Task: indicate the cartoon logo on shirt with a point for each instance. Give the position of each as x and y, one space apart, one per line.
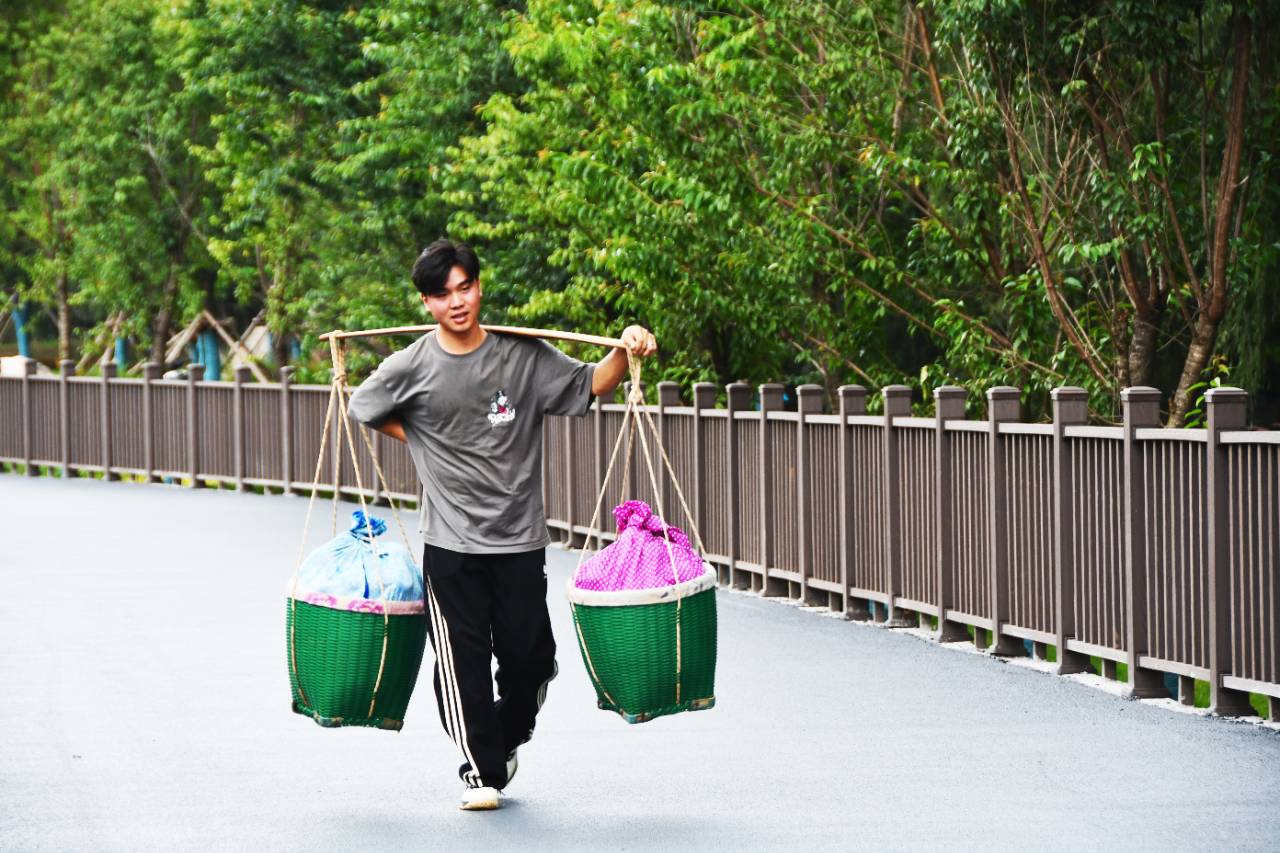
501 411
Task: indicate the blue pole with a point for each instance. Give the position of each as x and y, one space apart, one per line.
122 354
20 326
212 361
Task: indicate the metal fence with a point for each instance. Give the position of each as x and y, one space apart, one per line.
1151 548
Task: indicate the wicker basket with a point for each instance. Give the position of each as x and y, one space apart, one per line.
629 643
334 654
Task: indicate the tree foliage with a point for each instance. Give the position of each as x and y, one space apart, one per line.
1026 192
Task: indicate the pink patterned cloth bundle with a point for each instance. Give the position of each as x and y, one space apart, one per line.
639 558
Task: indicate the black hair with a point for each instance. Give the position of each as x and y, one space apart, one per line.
431 269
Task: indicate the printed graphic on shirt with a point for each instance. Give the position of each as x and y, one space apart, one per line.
501 411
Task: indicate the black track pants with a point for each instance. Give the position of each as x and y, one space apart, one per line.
483 606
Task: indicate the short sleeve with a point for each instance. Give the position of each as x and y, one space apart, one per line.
385 391
564 383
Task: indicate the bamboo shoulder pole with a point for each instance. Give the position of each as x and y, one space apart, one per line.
506 330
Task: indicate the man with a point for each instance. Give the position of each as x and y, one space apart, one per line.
470 405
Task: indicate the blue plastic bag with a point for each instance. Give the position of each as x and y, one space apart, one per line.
351 565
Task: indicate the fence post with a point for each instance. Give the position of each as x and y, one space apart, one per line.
808 402
853 401
948 405
195 374
1227 410
336 449
1070 407
565 428
108 373
375 448
28 370
286 429
150 373
546 474
598 462
704 397
66 369
241 375
897 403
738 398
1141 409
770 401
1003 404
668 397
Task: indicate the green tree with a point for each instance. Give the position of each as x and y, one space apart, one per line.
428 66
39 163
278 78
1030 192
1134 163
111 200
142 257
858 190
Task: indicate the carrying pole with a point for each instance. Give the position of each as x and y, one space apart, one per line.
523 331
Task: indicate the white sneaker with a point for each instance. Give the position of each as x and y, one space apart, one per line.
481 799
512 765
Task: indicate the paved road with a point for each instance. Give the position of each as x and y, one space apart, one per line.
144 706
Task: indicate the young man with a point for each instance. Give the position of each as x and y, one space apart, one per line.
470 406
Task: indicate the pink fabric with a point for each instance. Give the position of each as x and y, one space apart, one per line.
359 605
638 558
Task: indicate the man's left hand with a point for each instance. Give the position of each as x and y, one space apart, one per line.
639 341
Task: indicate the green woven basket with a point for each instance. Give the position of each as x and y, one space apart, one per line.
628 641
333 656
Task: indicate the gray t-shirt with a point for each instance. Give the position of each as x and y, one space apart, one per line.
474 425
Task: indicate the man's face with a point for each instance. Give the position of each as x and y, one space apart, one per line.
458 308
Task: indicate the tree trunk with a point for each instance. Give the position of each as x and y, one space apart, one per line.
1142 349
280 349
1213 303
1120 364
1204 335
716 342
160 327
64 318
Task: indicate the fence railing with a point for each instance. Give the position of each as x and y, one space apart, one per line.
1151 548
240 433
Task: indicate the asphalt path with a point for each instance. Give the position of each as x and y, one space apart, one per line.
144 705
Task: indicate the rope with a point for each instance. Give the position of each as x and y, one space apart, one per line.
302 546
338 396
666 535
339 381
623 432
591 667
613 457
315 481
386 487
631 425
340 376
675 481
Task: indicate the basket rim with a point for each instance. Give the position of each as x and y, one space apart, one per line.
632 597
355 605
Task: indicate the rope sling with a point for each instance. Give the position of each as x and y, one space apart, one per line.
338 394
636 422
